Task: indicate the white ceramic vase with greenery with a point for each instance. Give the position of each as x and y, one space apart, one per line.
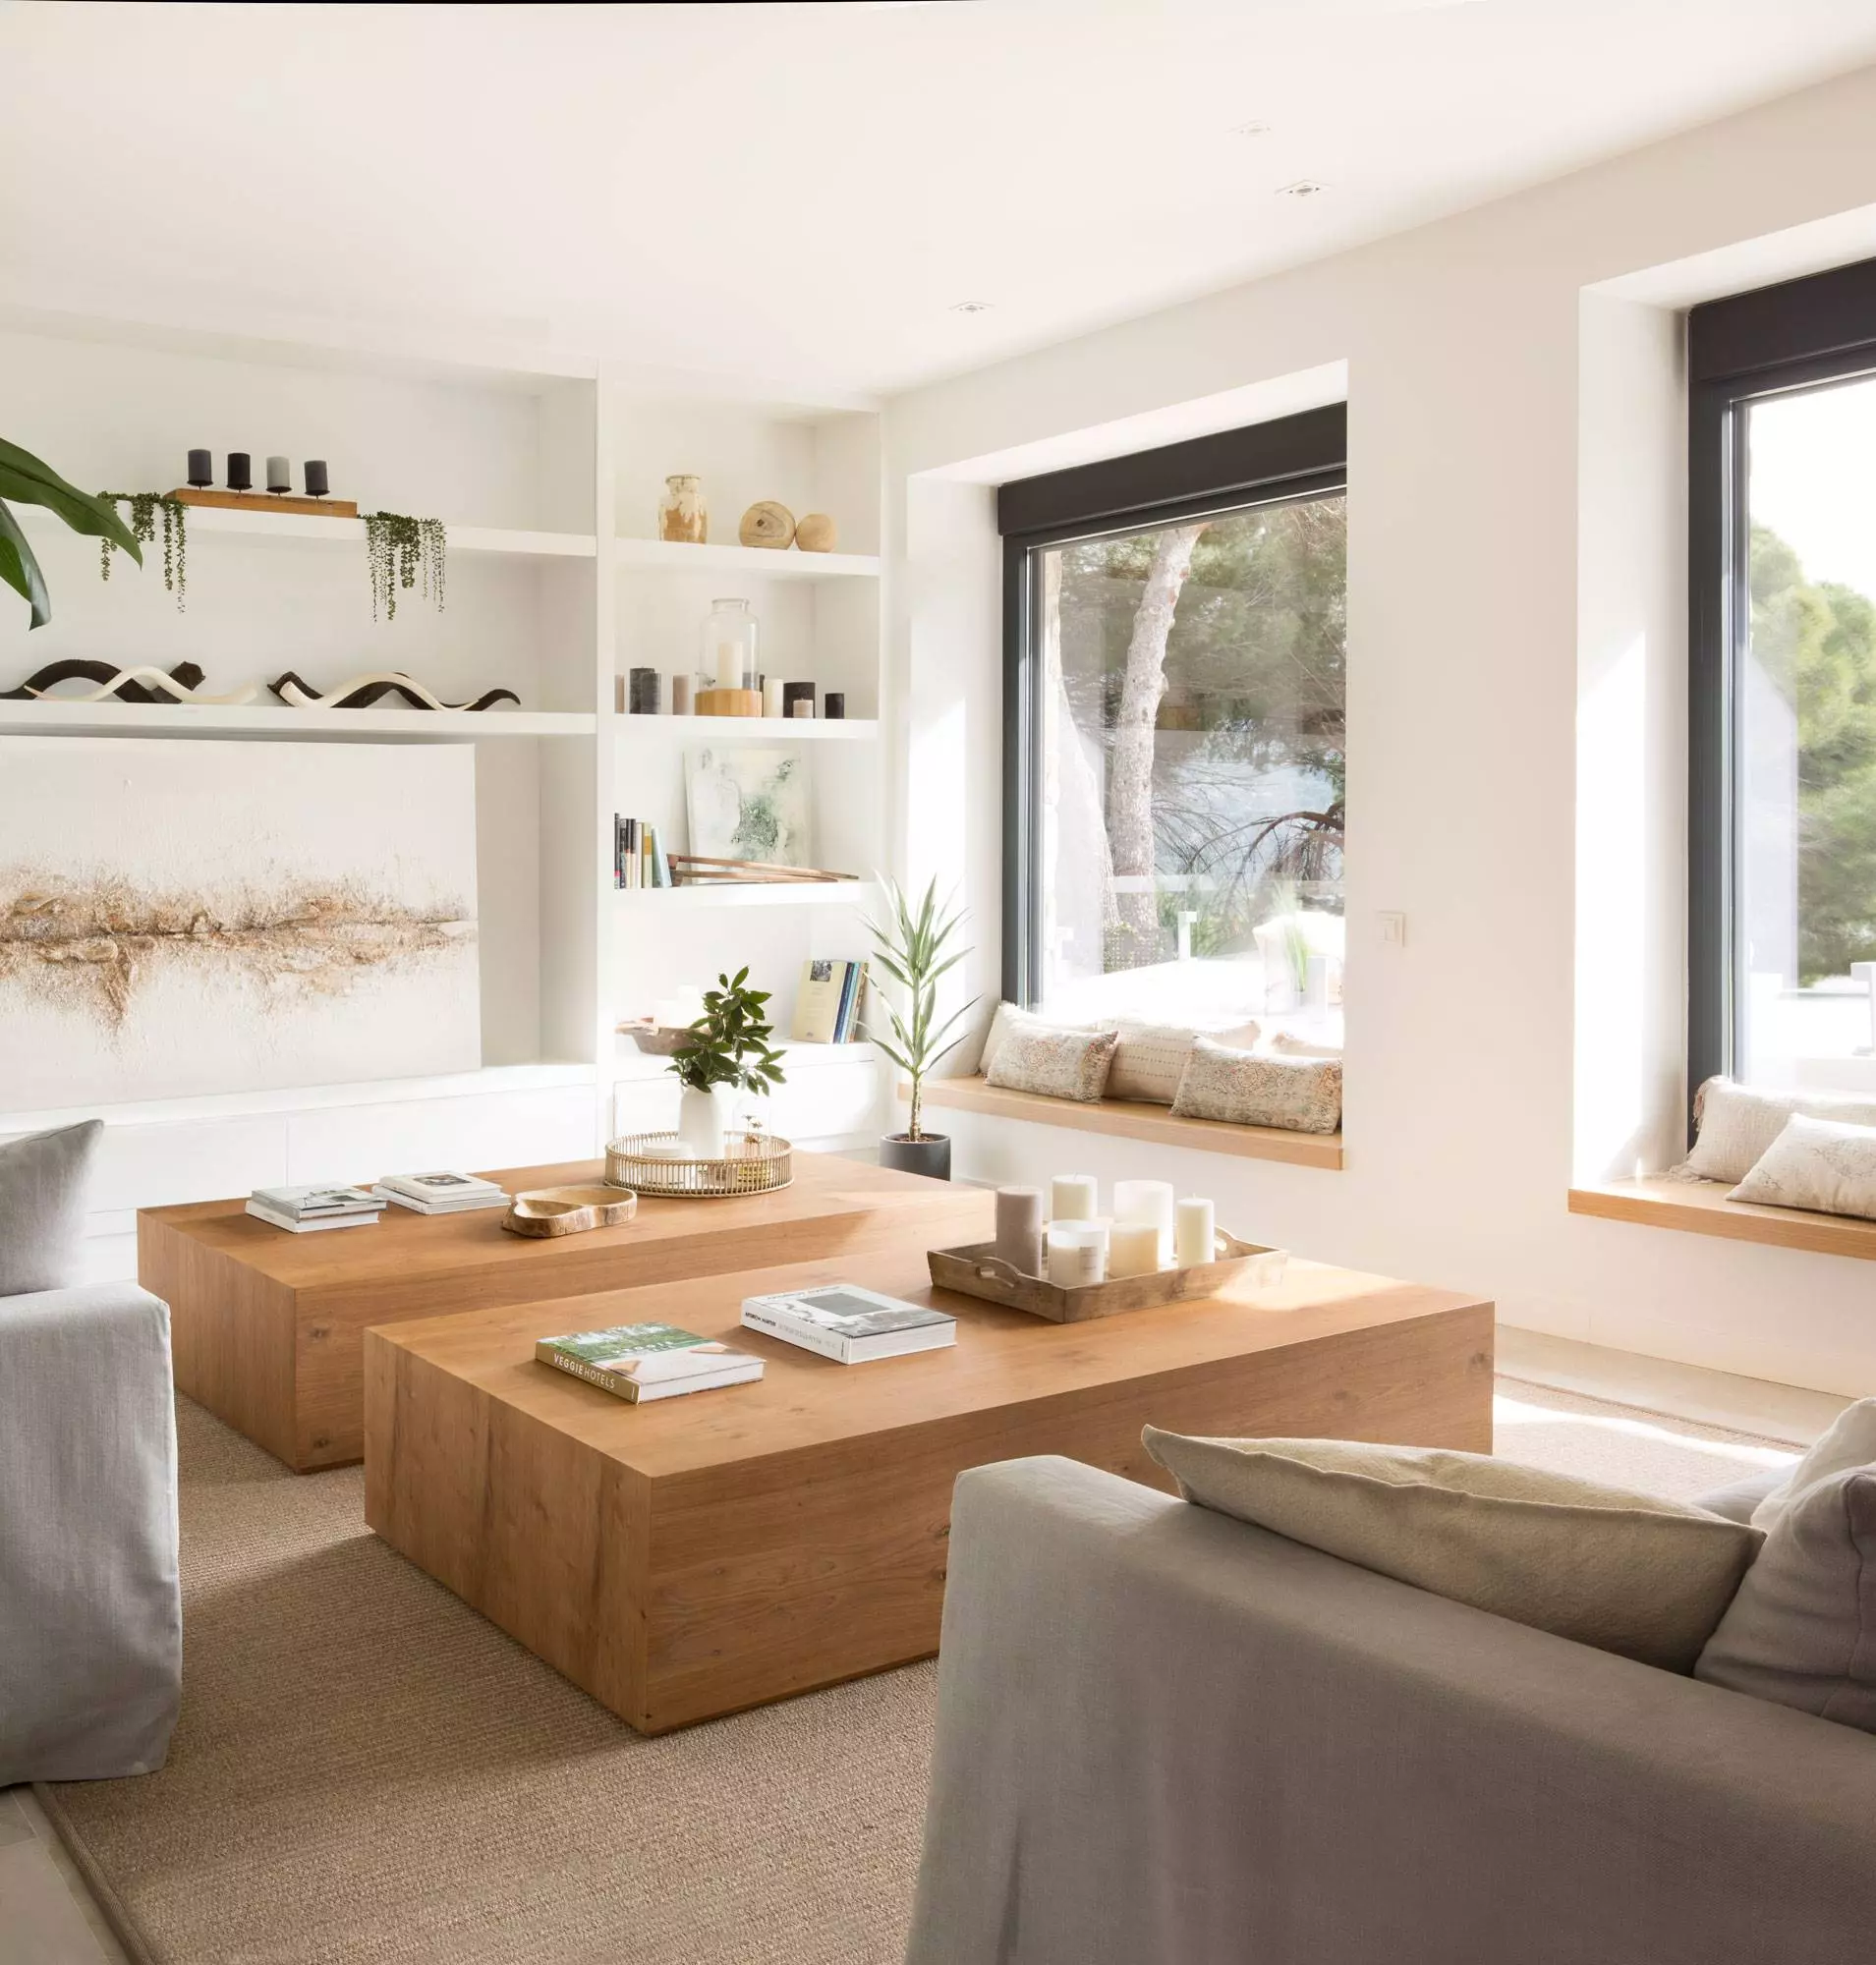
727 1050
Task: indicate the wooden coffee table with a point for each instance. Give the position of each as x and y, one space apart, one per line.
686 1559
267 1327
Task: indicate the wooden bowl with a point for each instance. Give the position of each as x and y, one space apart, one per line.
569 1210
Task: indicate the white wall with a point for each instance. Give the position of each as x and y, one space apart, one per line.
1480 412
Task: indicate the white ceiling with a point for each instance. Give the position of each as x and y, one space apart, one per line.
802 192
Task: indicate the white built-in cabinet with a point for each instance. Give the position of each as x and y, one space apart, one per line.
557 582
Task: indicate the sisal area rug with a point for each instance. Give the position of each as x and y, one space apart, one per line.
366 1770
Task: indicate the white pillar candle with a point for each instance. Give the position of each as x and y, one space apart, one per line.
772 698
1194 1232
1077 1254
729 665
1149 1200
1071 1197
1133 1248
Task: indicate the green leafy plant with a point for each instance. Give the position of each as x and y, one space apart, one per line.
400 551
731 1032
144 505
913 945
28 480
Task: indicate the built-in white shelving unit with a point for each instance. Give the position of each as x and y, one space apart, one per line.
548 486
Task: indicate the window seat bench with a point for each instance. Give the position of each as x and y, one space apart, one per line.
1128 1119
1701 1208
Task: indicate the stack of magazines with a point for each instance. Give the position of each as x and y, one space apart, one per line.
302 1209
637 1361
447 1192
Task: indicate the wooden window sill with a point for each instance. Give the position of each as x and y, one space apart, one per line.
1701 1208
1129 1120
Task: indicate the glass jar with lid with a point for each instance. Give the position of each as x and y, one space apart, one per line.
729 645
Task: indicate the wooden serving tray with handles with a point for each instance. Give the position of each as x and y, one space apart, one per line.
1238 1269
569 1210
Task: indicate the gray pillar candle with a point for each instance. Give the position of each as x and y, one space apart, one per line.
279 474
240 477
680 696
201 468
317 486
1019 1229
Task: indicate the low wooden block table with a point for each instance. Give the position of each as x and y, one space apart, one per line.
686 1559
267 1327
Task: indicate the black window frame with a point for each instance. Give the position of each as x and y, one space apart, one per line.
1284 461
1779 340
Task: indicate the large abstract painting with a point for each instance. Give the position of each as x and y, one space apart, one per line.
189 916
749 803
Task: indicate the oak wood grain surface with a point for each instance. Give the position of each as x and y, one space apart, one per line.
1701 1208
692 1556
268 1326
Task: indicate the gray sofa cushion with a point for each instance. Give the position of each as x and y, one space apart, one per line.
1736 1502
1801 1630
42 1180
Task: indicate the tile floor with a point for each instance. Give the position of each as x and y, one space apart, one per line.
47 1913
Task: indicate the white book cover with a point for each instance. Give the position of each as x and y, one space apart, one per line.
447 1185
300 1202
313 1222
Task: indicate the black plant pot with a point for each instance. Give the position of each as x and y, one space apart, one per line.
931 1155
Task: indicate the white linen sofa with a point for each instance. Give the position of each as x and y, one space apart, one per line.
1167 1737
90 1604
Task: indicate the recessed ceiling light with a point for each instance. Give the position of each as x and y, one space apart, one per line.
1250 129
1302 188
972 307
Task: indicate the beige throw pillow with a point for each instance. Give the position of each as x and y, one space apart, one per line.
1300 1095
1149 1058
1007 1021
1629 1573
1059 1064
1816 1164
1737 1124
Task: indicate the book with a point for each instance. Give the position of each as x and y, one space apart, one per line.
300 1204
439 1190
827 1001
849 1324
469 1205
637 1361
363 1217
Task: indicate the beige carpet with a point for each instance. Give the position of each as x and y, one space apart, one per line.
368 1771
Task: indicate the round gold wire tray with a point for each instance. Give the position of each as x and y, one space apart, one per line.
750 1163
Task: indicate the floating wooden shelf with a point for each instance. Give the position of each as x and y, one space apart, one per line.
1134 1121
1701 1208
265 501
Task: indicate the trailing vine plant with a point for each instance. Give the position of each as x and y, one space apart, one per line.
144 505
400 551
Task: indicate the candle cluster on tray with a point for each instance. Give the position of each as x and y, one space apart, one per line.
1073 1244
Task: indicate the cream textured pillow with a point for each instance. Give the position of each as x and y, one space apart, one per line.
1285 1045
1301 1095
1737 1124
1007 1021
1816 1164
1801 1631
1059 1064
1849 1441
1150 1059
1627 1573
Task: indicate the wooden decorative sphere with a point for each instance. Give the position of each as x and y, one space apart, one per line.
817 532
767 524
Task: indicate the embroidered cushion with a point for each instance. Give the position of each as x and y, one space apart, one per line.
1737 1124
1299 1094
1058 1064
1149 1058
1816 1164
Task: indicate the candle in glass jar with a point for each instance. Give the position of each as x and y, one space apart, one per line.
1077 1254
1194 1232
1133 1248
1071 1197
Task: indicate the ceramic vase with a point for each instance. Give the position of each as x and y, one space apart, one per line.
704 1117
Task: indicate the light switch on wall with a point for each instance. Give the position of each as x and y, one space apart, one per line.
1394 930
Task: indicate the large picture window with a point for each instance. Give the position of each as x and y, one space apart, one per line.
1177 731
1783 705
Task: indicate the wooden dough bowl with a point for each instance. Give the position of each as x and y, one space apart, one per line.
569 1210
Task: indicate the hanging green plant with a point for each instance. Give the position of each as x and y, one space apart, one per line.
144 505
400 552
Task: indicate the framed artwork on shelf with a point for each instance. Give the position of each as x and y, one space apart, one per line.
750 804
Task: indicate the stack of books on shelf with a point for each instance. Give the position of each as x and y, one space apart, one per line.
828 1004
637 1361
637 854
300 1210
849 1324
446 1193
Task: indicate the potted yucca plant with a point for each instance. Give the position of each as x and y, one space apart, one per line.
914 945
